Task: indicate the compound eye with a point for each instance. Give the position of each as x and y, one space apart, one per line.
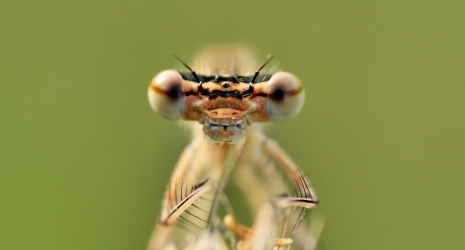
166 94
285 96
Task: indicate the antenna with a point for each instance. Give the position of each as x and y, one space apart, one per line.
258 71
185 65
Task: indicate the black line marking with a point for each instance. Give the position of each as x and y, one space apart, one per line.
180 224
304 185
187 225
218 79
299 220
192 223
225 94
201 209
190 93
195 216
298 187
306 200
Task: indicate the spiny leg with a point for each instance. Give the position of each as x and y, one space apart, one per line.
193 165
289 167
162 231
262 236
306 195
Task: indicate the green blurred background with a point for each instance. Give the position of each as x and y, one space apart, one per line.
84 160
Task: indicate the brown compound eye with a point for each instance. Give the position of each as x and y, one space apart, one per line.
285 96
166 94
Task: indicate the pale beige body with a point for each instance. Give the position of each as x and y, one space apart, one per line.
228 144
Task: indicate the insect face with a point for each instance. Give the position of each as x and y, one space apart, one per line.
226 104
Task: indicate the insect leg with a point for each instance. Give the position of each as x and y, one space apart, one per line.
289 167
262 234
161 233
307 198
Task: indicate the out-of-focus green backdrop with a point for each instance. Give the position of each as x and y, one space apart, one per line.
84 160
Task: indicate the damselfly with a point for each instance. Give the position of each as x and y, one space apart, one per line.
225 97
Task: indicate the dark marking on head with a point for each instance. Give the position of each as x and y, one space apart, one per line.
219 93
192 92
225 85
278 94
218 79
281 94
173 92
